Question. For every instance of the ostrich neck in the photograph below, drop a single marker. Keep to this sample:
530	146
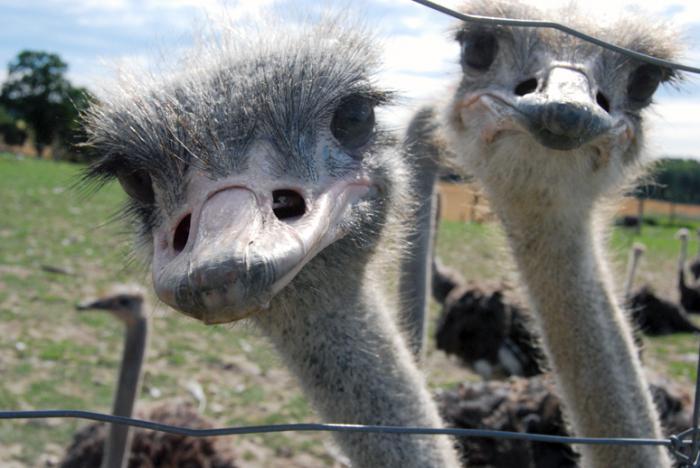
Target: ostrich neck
354	366
416	264
631	273
116	454
422	150
587	336
683	254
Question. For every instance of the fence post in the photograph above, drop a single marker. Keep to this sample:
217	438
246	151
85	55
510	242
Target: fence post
640	214
672	216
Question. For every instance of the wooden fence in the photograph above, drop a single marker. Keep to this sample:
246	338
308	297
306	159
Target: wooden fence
630	207
465	203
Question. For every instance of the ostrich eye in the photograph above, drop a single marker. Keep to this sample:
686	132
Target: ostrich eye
353	122
643	83
479	51
123	302
137	184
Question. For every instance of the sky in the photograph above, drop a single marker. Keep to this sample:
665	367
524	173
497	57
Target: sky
420	59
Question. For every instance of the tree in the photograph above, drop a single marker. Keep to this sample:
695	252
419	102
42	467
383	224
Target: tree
674	180
37	92
71	132
10	129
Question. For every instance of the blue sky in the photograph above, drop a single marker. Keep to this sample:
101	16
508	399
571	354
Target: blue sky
420	59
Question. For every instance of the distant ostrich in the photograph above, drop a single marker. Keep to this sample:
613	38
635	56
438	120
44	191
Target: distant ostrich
444	280
690	293
653	315
119	446
528	405
480	326
126	306
263	188
656	316
531	405
493	335
551	127
488	333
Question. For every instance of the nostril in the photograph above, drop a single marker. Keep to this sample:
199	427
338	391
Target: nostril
287	204
182	234
603	102
526	87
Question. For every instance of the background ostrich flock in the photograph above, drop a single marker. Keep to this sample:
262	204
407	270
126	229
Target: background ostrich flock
264	188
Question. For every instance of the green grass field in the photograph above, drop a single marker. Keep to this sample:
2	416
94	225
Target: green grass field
53	357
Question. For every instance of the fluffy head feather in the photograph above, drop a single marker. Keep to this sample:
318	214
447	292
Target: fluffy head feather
521	67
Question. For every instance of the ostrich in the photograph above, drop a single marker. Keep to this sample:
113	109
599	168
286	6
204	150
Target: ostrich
531	405
124	304
480	326
528	405
690	293
488	332
551	127
653	315
263	188
444	279
120	446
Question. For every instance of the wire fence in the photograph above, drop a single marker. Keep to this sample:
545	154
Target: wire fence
685	446
561	27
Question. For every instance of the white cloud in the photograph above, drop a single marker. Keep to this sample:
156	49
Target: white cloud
424	53
420	58
673	128
132	13
95	74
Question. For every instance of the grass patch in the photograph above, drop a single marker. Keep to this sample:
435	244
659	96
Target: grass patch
70	360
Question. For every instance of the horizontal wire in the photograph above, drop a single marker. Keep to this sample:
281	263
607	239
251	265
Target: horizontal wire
554	25
316	427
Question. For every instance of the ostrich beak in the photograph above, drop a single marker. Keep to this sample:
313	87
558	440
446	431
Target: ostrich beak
241	251
564	114
91	304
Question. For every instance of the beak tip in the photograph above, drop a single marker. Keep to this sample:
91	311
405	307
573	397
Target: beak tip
85	305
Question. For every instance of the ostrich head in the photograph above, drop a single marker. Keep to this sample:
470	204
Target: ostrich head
683	234
249	162
538	111
124	302
638	249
